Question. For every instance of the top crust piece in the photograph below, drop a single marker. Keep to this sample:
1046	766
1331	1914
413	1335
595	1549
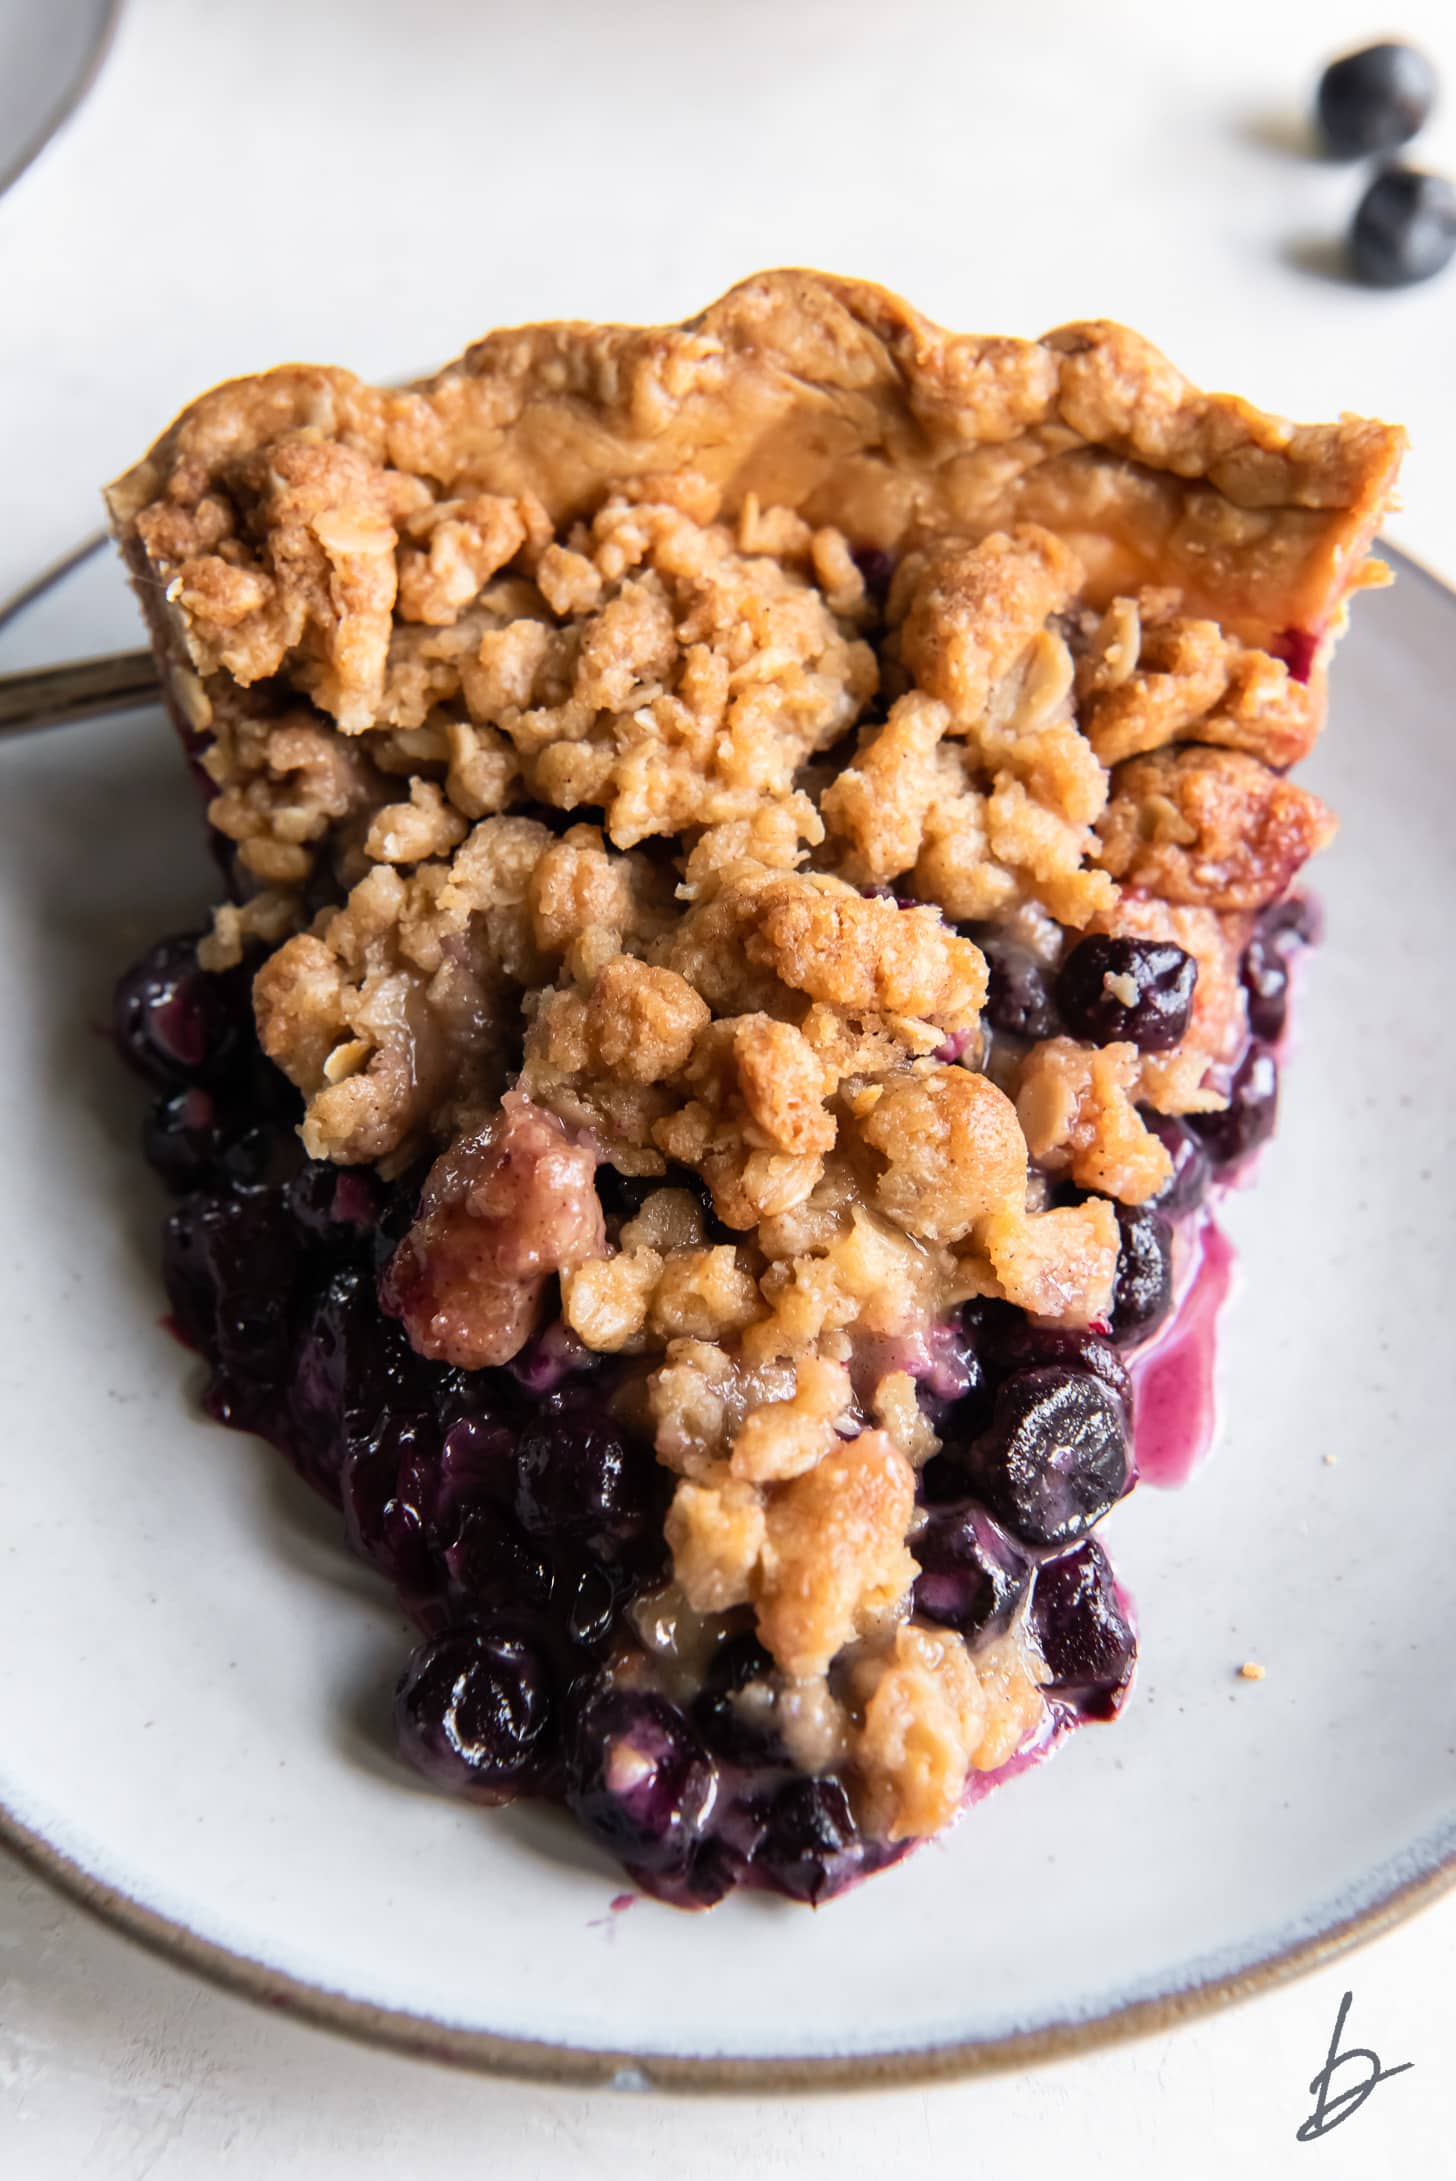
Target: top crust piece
836	399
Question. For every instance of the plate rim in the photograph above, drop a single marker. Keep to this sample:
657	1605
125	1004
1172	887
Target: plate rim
422	2036
490	2052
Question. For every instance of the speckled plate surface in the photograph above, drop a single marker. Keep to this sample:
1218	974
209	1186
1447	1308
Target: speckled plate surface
193	1727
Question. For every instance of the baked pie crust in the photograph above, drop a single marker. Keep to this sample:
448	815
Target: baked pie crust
755	840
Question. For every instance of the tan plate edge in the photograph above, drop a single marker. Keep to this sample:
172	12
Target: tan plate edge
571	2065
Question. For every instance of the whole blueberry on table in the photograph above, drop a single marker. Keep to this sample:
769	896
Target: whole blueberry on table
1405	228
1374	100
1141	990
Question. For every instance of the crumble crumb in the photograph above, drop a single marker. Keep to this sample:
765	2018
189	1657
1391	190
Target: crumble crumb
1251	1671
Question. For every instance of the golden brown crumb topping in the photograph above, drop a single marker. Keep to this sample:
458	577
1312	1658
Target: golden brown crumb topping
615	736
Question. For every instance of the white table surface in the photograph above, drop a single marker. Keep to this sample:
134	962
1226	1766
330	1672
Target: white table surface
376	181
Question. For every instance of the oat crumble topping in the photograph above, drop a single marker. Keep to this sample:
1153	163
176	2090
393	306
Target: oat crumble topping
595	803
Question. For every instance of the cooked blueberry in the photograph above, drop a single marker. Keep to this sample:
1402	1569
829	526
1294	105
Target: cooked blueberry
716	1868
735	1709
491	1562
353	1371
173	1022
638	1777
1404	228
810	1841
1265	965
1143	1294
1189	1179
876	567
1139	990
229	1264
193	1144
584	1599
1265	975
1293	922
475	1711
1082	1631
1055	1456
1014	1343
1249	1117
388	1494
550	1357
1374	100
578	1475
972	1575
333	1204
1019	999
478	1460
952	1370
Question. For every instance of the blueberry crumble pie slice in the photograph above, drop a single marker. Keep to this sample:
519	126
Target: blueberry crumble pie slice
759	863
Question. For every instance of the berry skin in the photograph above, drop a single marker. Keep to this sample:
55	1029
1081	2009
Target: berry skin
1139	990
639	1778
173	1023
734	1711
1404	229
1082	1631
972	1576
1143	1294
578	1477
1054	1458
1374	100
193	1144
1189	1179
810	1840
476	1711
1019	999
1248	1119
1013	1342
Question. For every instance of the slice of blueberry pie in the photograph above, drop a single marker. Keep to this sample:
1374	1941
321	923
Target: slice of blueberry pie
758	859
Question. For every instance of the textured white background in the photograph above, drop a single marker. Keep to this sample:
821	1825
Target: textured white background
376	183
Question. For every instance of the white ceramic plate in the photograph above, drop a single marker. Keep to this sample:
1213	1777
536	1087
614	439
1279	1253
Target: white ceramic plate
193	1724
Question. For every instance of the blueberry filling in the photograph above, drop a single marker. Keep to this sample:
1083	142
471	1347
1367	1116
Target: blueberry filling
518	1517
